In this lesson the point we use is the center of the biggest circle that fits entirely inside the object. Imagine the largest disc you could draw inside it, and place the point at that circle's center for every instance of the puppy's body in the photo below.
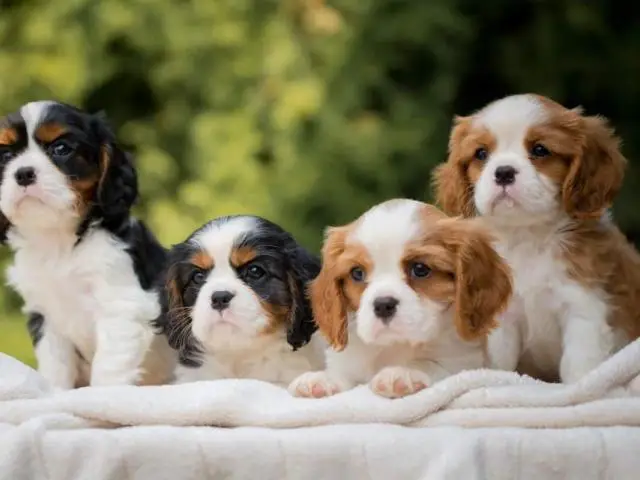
(576, 278)
(406, 296)
(235, 303)
(82, 265)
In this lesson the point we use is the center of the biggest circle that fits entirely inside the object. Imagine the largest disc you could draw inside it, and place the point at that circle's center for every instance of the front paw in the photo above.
(109, 379)
(315, 385)
(397, 382)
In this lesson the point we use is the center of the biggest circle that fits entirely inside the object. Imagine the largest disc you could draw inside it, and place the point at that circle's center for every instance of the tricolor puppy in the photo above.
(406, 296)
(83, 266)
(543, 177)
(235, 303)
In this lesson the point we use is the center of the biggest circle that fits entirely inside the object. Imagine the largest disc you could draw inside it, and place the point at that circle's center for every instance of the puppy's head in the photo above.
(234, 281)
(61, 168)
(525, 159)
(402, 271)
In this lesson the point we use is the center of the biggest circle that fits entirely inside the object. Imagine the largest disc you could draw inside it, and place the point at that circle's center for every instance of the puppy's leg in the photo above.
(587, 342)
(122, 345)
(504, 345)
(57, 360)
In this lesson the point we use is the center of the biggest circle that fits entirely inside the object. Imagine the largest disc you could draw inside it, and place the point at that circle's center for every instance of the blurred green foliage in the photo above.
(307, 111)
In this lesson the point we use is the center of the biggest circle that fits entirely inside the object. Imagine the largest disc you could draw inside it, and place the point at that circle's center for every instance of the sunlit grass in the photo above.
(14, 341)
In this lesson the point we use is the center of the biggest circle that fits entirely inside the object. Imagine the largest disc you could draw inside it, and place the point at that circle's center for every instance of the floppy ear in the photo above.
(117, 187)
(453, 192)
(4, 228)
(327, 298)
(174, 320)
(303, 267)
(595, 176)
(483, 278)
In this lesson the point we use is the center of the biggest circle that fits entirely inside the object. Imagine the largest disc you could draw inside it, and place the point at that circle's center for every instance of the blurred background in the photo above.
(307, 111)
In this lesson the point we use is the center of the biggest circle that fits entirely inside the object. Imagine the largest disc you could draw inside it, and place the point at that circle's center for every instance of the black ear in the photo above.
(174, 320)
(118, 184)
(303, 267)
(4, 228)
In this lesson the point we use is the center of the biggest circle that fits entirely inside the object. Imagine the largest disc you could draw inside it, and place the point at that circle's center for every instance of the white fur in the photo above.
(553, 324)
(96, 314)
(234, 339)
(418, 347)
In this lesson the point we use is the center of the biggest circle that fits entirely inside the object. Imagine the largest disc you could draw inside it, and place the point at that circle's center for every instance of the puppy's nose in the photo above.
(221, 299)
(385, 308)
(25, 176)
(505, 175)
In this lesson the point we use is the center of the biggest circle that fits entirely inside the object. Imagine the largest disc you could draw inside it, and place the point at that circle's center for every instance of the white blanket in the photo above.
(65, 435)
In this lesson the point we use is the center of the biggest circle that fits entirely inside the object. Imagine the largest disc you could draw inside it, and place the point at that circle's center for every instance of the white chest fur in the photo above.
(548, 307)
(88, 294)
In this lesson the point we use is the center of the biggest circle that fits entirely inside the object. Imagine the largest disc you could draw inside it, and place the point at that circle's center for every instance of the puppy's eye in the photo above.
(60, 149)
(6, 155)
(481, 154)
(420, 270)
(539, 151)
(357, 274)
(198, 277)
(255, 272)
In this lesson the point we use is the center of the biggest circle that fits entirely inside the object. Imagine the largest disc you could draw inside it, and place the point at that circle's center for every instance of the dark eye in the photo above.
(357, 274)
(6, 155)
(420, 270)
(481, 154)
(198, 277)
(539, 150)
(60, 148)
(255, 272)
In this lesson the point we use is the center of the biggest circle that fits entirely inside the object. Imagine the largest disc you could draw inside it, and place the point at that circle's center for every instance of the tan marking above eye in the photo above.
(8, 136)
(48, 132)
(242, 255)
(203, 260)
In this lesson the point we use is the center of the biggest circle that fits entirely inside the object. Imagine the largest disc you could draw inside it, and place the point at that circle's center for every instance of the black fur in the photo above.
(288, 269)
(35, 326)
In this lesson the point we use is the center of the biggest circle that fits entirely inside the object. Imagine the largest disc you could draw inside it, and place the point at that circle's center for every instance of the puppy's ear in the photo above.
(174, 320)
(4, 228)
(453, 191)
(117, 187)
(483, 278)
(302, 268)
(595, 176)
(327, 298)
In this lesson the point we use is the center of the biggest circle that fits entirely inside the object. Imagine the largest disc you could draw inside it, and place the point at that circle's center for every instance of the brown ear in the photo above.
(453, 192)
(595, 176)
(327, 298)
(483, 278)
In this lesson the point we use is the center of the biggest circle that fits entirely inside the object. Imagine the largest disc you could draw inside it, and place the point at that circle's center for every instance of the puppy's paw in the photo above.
(315, 385)
(396, 382)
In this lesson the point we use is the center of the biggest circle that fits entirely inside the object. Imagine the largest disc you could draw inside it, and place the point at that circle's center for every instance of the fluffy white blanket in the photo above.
(356, 434)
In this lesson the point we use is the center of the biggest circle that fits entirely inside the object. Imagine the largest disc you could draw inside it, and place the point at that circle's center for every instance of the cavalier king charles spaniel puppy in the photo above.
(235, 303)
(543, 177)
(83, 266)
(406, 297)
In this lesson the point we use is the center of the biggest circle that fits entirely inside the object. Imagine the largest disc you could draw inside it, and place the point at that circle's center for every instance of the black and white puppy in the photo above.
(84, 267)
(235, 303)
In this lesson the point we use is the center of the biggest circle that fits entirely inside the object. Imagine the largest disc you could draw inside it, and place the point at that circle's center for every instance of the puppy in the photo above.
(235, 304)
(83, 266)
(543, 177)
(406, 297)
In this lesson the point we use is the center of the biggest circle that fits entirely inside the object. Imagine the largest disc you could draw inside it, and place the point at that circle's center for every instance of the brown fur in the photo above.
(8, 136)
(202, 260)
(242, 256)
(48, 132)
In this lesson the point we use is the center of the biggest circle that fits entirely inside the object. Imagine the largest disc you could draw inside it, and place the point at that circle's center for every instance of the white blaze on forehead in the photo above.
(219, 238)
(33, 112)
(385, 230)
(511, 117)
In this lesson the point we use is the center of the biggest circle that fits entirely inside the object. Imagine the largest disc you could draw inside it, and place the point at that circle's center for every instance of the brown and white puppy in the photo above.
(543, 177)
(234, 303)
(406, 296)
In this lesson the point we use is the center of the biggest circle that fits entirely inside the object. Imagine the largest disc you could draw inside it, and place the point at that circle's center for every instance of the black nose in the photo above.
(221, 300)
(25, 176)
(505, 175)
(385, 308)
